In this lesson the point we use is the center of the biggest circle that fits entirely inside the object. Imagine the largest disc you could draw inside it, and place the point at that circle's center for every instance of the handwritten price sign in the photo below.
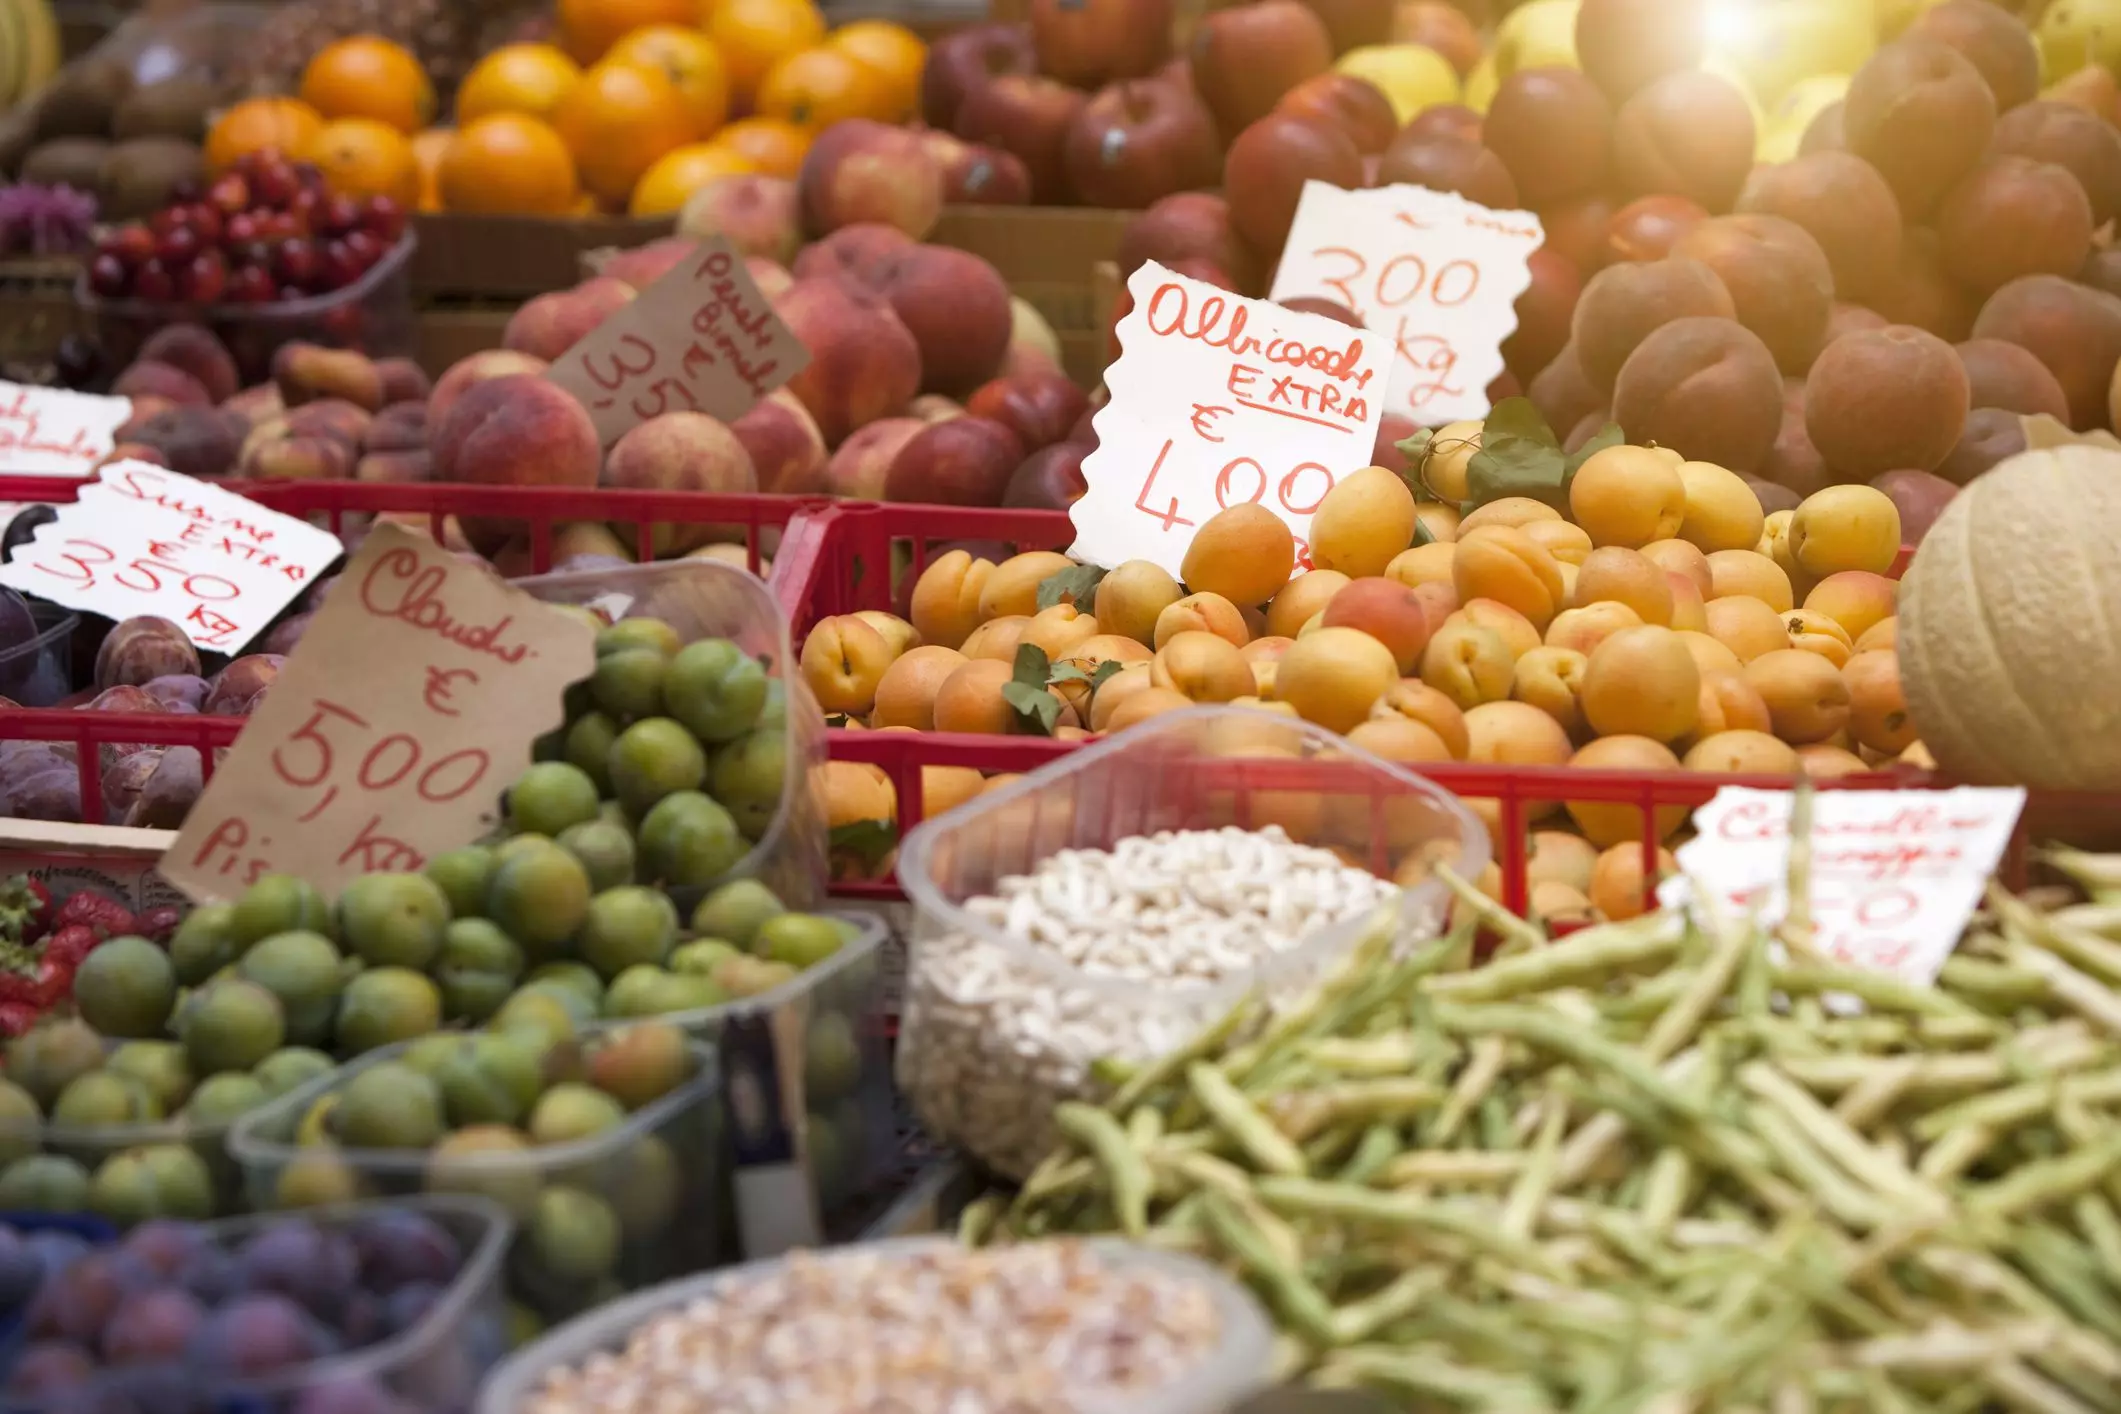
(701, 339)
(1895, 874)
(1217, 400)
(1430, 271)
(410, 703)
(52, 432)
(143, 540)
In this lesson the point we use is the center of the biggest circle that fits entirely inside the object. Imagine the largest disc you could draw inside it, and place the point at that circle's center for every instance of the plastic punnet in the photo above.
(1239, 1366)
(652, 1170)
(39, 671)
(703, 599)
(998, 1030)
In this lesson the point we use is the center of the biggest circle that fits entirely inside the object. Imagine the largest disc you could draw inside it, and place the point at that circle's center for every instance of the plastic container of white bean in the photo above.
(1003, 1018)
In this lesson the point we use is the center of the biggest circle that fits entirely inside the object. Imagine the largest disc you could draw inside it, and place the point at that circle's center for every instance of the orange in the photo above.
(664, 188)
(754, 35)
(895, 53)
(689, 60)
(508, 164)
(428, 146)
(590, 27)
(517, 78)
(617, 122)
(364, 157)
(368, 77)
(772, 145)
(819, 87)
(283, 125)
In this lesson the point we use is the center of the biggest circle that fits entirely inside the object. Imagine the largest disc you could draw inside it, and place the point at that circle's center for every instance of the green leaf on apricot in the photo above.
(1422, 534)
(868, 841)
(1519, 456)
(1074, 585)
(1609, 435)
(1032, 667)
(1037, 710)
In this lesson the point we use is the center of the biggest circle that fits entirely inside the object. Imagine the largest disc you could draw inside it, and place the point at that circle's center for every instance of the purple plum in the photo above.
(258, 1335)
(142, 649)
(152, 1327)
(179, 692)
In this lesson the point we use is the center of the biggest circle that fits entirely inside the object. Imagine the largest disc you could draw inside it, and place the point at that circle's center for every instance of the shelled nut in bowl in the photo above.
(1115, 903)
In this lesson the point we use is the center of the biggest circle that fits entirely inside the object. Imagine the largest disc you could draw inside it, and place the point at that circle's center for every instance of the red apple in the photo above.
(1269, 164)
(961, 62)
(1192, 225)
(1139, 140)
(1090, 43)
(1245, 59)
(858, 170)
(977, 175)
(1050, 479)
(1040, 408)
(1027, 115)
(966, 461)
(1356, 106)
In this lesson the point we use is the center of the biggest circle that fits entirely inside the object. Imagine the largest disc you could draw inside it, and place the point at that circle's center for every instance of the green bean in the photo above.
(1167, 1068)
(1126, 1171)
(1301, 1115)
(1235, 1116)
(2038, 1184)
(1594, 953)
(1358, 1321)
(1585, 1048)
(1471, 1224)
(1871, 988)
(2007, 1109)
(1490, 1055)
(1379, 1147)
(1452, 1169)
(1836, 1140)
(2102, 1230)
(1301, 1303)
(1520, 1213)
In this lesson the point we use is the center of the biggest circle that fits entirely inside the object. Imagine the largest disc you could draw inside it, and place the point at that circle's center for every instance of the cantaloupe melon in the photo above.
(2010, 625)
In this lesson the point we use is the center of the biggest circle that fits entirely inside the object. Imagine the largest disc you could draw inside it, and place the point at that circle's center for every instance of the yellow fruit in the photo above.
(664, 188)
(1628, 496)
(1413, 77)
(1243, 553)
(1845, 528)
(1363, 522)
(689, 60)
(517, 78)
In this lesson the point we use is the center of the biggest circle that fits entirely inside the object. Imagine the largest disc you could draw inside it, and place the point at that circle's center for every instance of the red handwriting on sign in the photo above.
(1220, 324)
(651, 381)
(722, 319)
(22, 430)
(1300, 490)
(83, 564)
(398, 587)
(1397, 286)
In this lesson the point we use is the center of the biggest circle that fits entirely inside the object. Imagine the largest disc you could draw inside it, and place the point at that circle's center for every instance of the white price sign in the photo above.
(52, 432)
(1216, 400)
(1896, 874)
(1434, 274)
(141, 539)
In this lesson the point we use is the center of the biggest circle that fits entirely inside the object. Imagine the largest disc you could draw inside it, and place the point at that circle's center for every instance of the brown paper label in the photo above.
(701, 339)
(410, 704)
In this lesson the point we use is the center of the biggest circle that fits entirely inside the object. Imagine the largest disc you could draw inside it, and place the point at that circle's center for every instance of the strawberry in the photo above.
(16, 1018)
(25, 909)
(96, 911)
(70, 944)
(157, 924)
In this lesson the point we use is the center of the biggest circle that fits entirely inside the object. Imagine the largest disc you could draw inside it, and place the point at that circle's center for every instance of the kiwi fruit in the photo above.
(76, 162)
(172, 108)
(138, 176)
(18, 134)
(81, 101)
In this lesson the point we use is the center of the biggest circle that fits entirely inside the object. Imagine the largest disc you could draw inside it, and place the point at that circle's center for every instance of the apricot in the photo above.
(1807, 700)
(1858, 600)
(1845, 528)
(1013, 587)
(1751, 574)
(1303, 596)
(1710, 654)
(1922, 115)
(1209, 612)
(1141, 706)
(1517, 734)
(1742, 753)
(1618, 889)
(1582, 629)
(1090, 655)
(1416, 701)
(1624, 304)
(1243, 553)
(946, 598)
(1389, 612)
(1747, 625)
(1627, 496)
(1424, 564)
(1823, 761)
(1551, 679)
(1883, 635)
(1886, 399)
(1878, 714)
(1504, 564)
(1401, 739)
(1614, 574)
(1130, 598)
(1605, 823)
(1114, 691)
(1262, 655)
(996, 638)
(1567, 543)
(1468, 664)
(1729, 703)
(2070, 137)
(1443, 467)
(1555, 905)
(905, 695)
(1203, 667)
(843, 661)
(1363, 522)
(1334, 676)
(970, 699)
(1642, 682)
(1814, 632)
(1058, 631)
(1440, 520)
(1722, 513)
(1778, 277)
(1707, 388)
(1514, 512)
(1559, 857)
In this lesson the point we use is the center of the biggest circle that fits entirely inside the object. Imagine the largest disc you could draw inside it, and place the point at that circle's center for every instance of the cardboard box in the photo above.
(112, 860)
(515, 257)
(37, 307)
(1048, 254)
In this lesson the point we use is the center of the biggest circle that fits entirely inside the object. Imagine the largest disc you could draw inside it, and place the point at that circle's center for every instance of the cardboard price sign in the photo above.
(1216, 400)
(141, 539)
(1434, 274)
(701, 339)
(409, 705)
(52, 432)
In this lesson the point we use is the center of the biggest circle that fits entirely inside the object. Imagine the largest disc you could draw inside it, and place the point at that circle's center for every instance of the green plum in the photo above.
(587, 747)
(715, 689)
(653, 759)
(801, 940)
(605, 850)
(290, 1068)
(160, 1066)
(640, 632)
(463, 875)
(385, 1005)
(549, 797)
(126, 987)
(749, 774)
(628, 684)
(735, 911)
(390, 1106)
(701, 956)
(277, 903)
(394, 920)
(540, 897)
(689, 839)
(202, 945)
(627, 926)
(232, 1025)
(477, 970)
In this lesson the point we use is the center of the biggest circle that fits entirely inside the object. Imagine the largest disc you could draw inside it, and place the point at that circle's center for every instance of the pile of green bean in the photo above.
(1654, 1166)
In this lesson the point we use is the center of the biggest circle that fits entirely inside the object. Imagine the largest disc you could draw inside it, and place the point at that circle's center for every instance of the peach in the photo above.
(864, 364)
(1618, 889)
(1130, 599)
(1468, 664)
(1706, 388)
(551, 324)
(1551, 679)
(1140, 706)
(308, 372)
(1624, 304)
(1923, 116)
(1619, 576)
(2005, 376)
(1203, 667)
(1642, 682)
(1517, 734)
(1845, 205)
(1681, 557)
(961, 461)
(1416, 701)
(1042, 408)
(1208, 612)
(2074, 329)
(996, 638)
(1606, 824)
(1992, 39)
(516, 430)
(2013, 216)
(1363, 522)
(1892, 398)
(787, 451)
(970, 699)
(1878, 712)
(197, 441)
(1747, 626)
(757, 214)
(1823, 761)
(864, 253)
(1885, 635)
(1303, 596)
(1013, 587)
(473, 369)
(956, 306)
(1058, 631)
(1686, 134)
(843, 660)
(1553, 129)
(1563, 393)
(1568, 544)
(860, 468)
(1334, 676)
(643, 265)
(151, 378)
(680, 451)
(946, 599)
(1845, 528)
(1434, 563)
(1113, 692)
(2069, 137)
(1450, 164)
(1816, 633)
(905, 694)
(1582, 629)
(1807, 699)
(1244, 553)
(1750, 574)
(1778, 278)
(1742, 753)
(1385, 609)
(859, 170)
(194, 349)
(1505, 564)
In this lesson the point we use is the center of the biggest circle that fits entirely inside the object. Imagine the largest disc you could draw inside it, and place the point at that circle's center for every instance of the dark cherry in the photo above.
(205, 221)
(272, 185)
(250, 284)
(383, 218)
(295, 262)
(339, 215)
(177, 245)
(365, 249)
(240, 230)
(206, 278)
(153, 283)
(309, 177)
(107, 275)
(186, 192)
(230, 194)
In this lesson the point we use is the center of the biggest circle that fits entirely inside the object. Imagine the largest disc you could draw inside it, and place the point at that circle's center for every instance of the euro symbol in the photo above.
(1204, 415)
(438, 688)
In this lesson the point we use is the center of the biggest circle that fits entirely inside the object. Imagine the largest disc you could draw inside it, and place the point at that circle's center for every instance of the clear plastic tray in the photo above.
(982, 1070)
(92, 1148)
(1240, 1365)
(665, 1230)
(434, 1368)
(703, 599)
(40, 672)
(780, 1051)
(374, 314)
